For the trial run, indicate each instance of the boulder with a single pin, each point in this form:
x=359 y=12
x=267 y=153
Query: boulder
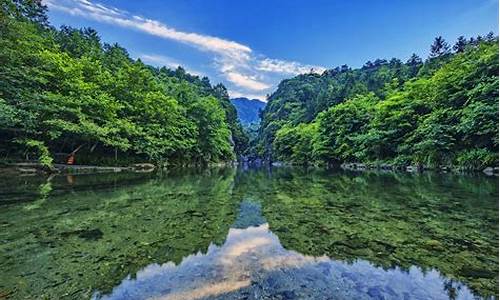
x=489 y=171
x=411 y=169
x=143 y=167
x=360 y=166
x=385 y=167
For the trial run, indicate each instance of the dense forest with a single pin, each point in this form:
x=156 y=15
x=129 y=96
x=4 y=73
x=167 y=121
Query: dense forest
x=65 y=91
x=439 y=112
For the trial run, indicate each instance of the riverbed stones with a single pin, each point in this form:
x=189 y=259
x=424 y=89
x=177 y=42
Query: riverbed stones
x=412 y=169
x=143 y=167
x=490 y=171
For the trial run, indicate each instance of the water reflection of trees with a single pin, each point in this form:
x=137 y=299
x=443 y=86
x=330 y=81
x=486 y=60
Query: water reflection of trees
x=444 y=221
x=91 y=234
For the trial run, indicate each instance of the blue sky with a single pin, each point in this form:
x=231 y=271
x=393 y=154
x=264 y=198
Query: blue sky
x=251 y=45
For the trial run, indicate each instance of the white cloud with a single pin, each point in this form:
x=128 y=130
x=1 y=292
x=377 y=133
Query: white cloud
x=159 y=60
x=121 y=18
x=236 y=62
x=249 y=82
x=286 y=67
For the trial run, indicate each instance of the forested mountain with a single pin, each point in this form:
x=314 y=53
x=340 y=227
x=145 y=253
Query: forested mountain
x=441 y=112
x=248 y=110
x=65 y=90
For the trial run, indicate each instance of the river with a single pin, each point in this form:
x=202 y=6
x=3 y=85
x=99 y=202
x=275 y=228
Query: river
x=249 y=233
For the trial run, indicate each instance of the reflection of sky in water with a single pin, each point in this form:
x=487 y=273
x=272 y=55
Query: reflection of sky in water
x=252 y=264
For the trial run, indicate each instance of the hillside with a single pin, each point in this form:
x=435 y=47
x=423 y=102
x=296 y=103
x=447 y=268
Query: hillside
x=439 y=112
x=64 y=91
x=248 y=110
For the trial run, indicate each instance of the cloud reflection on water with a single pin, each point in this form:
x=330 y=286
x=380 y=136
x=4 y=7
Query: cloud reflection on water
x=252 y=264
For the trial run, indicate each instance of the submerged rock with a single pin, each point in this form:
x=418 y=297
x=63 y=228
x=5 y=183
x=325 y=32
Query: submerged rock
x=433 y=245
x=491 y=171
x=376 y=293
x=412 y=169
x=143 y=167
x=27 y=170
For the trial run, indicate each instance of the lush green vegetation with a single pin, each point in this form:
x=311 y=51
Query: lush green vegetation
x=62 y=90
x=65 y=90
x=441 y=112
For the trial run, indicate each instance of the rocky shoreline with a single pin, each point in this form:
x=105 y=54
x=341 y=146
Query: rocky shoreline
x=491 y=171
x=33 y=168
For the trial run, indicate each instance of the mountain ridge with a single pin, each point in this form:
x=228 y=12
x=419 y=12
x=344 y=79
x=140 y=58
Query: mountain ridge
x=248 y=109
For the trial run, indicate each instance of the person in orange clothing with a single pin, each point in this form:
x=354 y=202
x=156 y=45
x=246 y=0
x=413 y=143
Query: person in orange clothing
x=71 y=159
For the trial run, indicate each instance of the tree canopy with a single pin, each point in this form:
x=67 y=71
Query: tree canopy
x=65 y=89
x=441 y=112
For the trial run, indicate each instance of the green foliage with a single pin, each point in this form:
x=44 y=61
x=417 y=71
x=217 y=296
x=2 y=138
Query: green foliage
x=340 y=127
x=433 y=140
x=213 y=133
x=294 y=143
x=474 y=159
x=441 y=112
x=8 y=115
x=68 y=90
x=41 y=150
x=302 y=98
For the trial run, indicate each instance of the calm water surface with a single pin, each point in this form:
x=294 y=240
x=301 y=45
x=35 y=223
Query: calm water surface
x=249 y=234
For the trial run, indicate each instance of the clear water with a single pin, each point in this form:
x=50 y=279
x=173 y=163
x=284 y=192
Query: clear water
x=249 y=234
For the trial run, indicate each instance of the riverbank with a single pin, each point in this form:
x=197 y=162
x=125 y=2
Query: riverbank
x=491 y=171
x=359 y=167
x=33 y=168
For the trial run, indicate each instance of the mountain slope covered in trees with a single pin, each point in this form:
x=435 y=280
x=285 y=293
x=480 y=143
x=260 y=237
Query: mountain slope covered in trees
x=441 y=112
x=65 y=90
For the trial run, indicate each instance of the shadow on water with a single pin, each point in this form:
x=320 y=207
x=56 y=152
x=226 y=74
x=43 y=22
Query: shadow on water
x=278 y=233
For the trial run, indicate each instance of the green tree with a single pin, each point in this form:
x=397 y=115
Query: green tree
x=443 y=111
x=460 y=44
x=213 y=134
x=62 y=90
x=439 y=47
x=340 y=127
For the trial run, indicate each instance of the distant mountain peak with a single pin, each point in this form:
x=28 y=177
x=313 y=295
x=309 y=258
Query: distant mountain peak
x=247 y=99
x=248 y=109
